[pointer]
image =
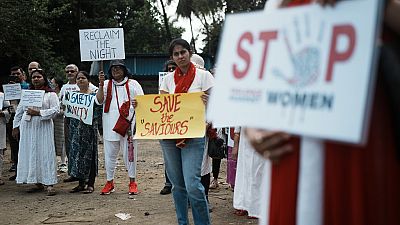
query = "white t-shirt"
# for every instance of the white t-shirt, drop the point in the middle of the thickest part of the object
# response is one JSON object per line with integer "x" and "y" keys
{"x": 203, "y": 81}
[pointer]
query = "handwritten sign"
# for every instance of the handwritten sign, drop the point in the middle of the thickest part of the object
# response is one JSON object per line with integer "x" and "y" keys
{"x": 170, "y": 116}
{"x": 305, "y": 70}
{"x": 79, "y": 106}
{"x": 161, "y": 76}
{"x": 12, "y": 91}
{"x": 102, "y": 44}
{"x": 32, "y": 98}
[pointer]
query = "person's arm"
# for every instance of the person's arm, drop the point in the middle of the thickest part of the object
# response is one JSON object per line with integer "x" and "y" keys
{"x": 100, "y": 92}
{"x": 235, "y": 148}
{"x": 46, "y": 114}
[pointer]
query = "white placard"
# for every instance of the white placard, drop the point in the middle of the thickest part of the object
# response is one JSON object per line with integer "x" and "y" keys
{"x": 79, "y": 106}
{"x": 1, "y": 101}
{"x": 12, "y": 91}
{"x": 305, "y": 70}
{"x": 32, "y": 98}
{"x": 102, "y": 44}
{"x": 161, "y": 76}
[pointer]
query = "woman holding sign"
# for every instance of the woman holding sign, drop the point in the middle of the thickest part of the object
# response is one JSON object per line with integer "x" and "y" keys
{"x": 37, "y": 157}
{"x": 183, "y": 157}
{"x": 118, "y": 95}
{"x": 83, "y": 139}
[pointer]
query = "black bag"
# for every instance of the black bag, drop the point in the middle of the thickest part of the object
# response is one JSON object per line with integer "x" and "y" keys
{"x": 217, "y": 148}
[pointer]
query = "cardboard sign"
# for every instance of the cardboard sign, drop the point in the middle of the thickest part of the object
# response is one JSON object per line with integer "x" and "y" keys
{"x": 79, "y": 106}
{"x": 305, "y": 70}
{"x": 32, "y": 98}
{"x": 102, "y": 44}
{"x": 12, "y": 91}
{"x": 170, "y": 116}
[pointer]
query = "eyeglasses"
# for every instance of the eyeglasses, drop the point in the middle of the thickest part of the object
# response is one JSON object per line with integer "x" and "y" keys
{"x": 15, "y": 74}
{"x": 116, "y": 68}
{"x": 70, "y": 71}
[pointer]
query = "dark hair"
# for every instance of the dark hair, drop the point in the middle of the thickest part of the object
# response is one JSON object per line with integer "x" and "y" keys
{"x": 178, "y": 41}
{"x": 84, "y": 73}
{"x": 59, "y": 82}
{"x": 46, "y": 81}
{"x": 167, "y": 63}
{"x": 17, "y": 68}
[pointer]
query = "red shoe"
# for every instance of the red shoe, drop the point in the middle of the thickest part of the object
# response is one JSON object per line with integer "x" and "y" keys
{"x": 108, "y": 188}
{"x": 133, "y": 188}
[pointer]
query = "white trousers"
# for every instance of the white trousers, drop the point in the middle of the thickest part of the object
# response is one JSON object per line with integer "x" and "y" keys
{"x": 111, "y": 150}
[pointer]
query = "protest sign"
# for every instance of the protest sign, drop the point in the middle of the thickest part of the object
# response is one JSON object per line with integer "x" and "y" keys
{"x": 306, "y": 70}
{"x": 32, "y": 98}
{"x": 12, "y": 91}
{"x": 170, "y": 116}
{"x": 102, "y": 44}
{"x": 79, "y": 106}
{"x": 161, "y": 76}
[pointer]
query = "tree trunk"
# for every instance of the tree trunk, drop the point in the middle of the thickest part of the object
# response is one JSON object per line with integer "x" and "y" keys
{"x": 166, "y": 24}
{"x": 191, "y": 29}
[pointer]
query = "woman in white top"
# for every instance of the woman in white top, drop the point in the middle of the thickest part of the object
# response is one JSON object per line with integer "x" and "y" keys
{"x": 37, "y": 156}
{"x": 183, "y": 157}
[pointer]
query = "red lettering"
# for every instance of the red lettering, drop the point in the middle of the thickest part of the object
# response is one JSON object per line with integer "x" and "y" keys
{"x": 156, "y": 101}
{"x": 334, "y": 55}
{"x": 247, "y": 36}
{"x": 266, "y": 37}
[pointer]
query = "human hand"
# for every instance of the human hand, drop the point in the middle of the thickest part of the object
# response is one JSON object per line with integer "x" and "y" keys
{"x": 271, "y": 145}
{"x": 204, "y": 97}
{"x": 326, "y": 2}
{"x": 134, "y": 103}
{"x": 33, "y": 112}
{"x": 15, "y": 133}
{"x": 101, "y": 78}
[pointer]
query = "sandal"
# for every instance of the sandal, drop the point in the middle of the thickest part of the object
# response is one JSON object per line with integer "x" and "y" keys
{"x": 37, "y": 188}
{"x": 77, "y": 189}
{"x": 239, "y": 212}
{"x": 88, "y": 190}
{"x": 51, "y": 191}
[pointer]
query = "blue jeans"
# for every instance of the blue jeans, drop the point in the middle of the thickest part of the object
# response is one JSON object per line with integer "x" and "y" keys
{"x": 183, "y": 168}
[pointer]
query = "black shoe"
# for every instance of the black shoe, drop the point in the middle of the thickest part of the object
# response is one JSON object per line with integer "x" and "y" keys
{"x": 166, "y": 190}
{"x": 70, "y": 179}
{"x": 12, "y": 168}
{"x": 12, "y": 177}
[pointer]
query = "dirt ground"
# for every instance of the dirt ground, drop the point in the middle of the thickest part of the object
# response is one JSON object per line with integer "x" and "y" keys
{"x": 149, "y": 207}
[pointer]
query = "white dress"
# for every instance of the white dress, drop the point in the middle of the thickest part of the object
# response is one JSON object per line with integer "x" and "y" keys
{"x": 3, "y": 123}
{"x": 249, "y": 174}
{"x": 37, "y": 158}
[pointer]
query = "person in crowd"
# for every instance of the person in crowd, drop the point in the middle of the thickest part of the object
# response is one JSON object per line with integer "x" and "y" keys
{"x": 206, "y": 168}
{"x": 37, "y": 159}
{"x": 83, "y": 139}
{"x": 250, "y": 166}
{"x": 4, "y": 118}
{"x": 15, "y": 77}
{"x": 32, "y": 66}
{"x": 359, "y": 185}
{"x": 233, "y": 146}
{"x": 118, "y": 96}
{"x": 169, "y": 66}
{"x": 59, "y": 141}
{"x": 183, "y": 157}
{"x": 71, "y": 71}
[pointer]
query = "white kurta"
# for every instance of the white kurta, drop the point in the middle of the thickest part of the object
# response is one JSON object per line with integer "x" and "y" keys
{"x": 3, "y": 123}
{"x": 110, "y": 118}
{"x": 37, "y": 158}
{"x": 249, "y": 173}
